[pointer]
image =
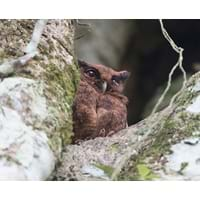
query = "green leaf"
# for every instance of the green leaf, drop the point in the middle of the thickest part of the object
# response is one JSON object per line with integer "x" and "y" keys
{"x": 183, "y": 166}
{"x": 145, "y": 173}
{"x": 143, "y": 170}
{"x": 108, "y": 170}
{"x": 114, "y": 147}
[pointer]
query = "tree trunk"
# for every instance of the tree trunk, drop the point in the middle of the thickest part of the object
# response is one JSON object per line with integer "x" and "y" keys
{"x": 164, "y": 146}
{"x": 35, "y": 99}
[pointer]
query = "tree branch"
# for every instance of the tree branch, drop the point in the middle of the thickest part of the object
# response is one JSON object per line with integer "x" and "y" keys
{"x": 9, "y": 67}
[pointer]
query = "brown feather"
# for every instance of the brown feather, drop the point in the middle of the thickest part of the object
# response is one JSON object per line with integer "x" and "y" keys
{"x": 98, "y": 113}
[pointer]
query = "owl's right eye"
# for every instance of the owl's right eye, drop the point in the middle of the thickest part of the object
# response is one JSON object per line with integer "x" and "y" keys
{"x": 91, "y": 73}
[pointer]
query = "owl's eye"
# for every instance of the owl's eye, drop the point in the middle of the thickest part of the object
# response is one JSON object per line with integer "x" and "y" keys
{"x": 91, "y": 73}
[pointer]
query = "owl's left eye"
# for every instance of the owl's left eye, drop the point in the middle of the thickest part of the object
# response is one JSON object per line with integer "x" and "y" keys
{"x": 91, "y": 73}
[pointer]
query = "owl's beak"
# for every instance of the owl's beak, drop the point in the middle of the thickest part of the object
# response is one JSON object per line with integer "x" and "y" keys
{"x": 104, "y": 86}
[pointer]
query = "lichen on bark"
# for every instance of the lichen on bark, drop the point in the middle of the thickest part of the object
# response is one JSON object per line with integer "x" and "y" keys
{"x": 175, "y": 128}
{"x": 55, "y": 66}
{"x": 42, "y": 91}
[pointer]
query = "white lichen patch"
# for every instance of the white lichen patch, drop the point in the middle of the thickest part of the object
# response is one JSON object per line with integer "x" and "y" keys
{"x": 91, "y": 170}
{"x": 196, "y": 88}
{"x": 196, "y": 133}
{"x": 185, "y": 159}
{"x": 24, "y": 96}
{"x": 69, "y": 59}
{"x": 24, "y": 152}
{"x": 24, "y": 147}
{"x": 195, "y": 106}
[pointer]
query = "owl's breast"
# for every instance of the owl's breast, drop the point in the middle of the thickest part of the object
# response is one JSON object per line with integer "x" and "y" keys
{"x": 86, "y": 95}
{"x": 109, "y": 101}
{"x": 105, "y": 102}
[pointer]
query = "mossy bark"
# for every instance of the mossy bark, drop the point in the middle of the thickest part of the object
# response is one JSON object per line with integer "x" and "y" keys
{"x": 145, "y": 150}
{"x": 54, "y": 74}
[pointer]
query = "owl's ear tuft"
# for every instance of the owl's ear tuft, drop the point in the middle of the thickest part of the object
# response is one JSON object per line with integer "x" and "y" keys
{"x": 124, "y": 75}
{"x": 83, "y": 64}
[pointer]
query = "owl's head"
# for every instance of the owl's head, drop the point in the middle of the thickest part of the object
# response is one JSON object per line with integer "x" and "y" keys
{"x": 102, "y": 78}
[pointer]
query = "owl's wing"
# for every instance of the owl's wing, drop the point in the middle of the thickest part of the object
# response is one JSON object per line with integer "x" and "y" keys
{"x": 111, "y": 113}
{"x": 84, "y": 112}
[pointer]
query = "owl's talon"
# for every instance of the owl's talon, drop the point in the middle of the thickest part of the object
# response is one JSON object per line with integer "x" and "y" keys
{"x": 110, "y": 133}
{"x": 102, "y": 132}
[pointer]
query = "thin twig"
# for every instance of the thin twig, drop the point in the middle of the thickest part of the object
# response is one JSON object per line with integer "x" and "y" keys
{"x": 84, "y": 25}
{"x": 37, "y": 32}
{"x": 10, "y": 66}
{"x": 179, "y": 64}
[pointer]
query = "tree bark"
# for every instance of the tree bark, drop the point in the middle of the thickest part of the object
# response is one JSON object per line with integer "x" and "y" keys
{"x": 35, "y": 99}
{"x": 164, "y": 146}
{"x": 35, "y": 118}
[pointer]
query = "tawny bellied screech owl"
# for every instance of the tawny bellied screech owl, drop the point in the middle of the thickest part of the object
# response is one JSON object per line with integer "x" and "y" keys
{"x": 100, "y": 108}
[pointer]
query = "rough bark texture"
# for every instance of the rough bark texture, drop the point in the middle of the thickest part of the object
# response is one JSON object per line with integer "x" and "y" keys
{"x": 35, "y": 117}
{"x": 162, "y": 147}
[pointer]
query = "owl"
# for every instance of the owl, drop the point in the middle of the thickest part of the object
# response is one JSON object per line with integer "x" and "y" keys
{"x": 99, "y": 108}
